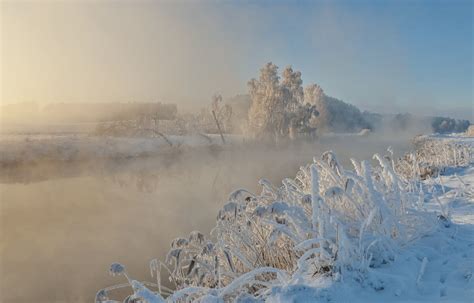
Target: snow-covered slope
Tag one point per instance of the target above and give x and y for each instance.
(435, 268)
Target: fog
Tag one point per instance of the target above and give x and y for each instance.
(64, 223)
(123, 51)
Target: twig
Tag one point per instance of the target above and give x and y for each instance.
(218, 126)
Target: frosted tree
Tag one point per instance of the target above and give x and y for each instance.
(293, 97)
(314, 95)
(292, 88)
(216, 102)
(267, 109)
(277, 108)
(222, 113)
(281, 108)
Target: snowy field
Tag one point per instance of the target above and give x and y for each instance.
(335, 235)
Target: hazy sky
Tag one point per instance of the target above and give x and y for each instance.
(380, 55)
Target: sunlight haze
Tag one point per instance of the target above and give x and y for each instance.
(183, 52)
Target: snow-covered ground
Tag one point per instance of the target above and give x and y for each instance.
(435, 268)
(438, 267)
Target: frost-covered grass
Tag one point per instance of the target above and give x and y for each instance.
(432, 155)
(329, 232)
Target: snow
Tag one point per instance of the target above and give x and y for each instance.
(435, 268)
(411, 247)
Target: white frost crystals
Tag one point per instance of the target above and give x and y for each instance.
(327, 223)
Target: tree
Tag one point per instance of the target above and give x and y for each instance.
(314, 95)
(292, 88)
(267, 106)
(277, 109)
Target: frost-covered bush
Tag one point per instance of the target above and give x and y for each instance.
(326, 222)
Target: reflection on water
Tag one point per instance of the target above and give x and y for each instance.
(62, 224)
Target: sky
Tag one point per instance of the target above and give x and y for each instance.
(385, 56)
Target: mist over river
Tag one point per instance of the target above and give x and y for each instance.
(63, 223)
